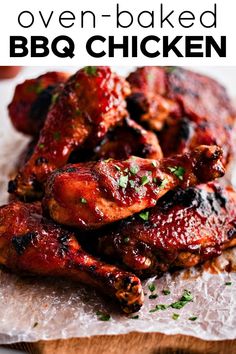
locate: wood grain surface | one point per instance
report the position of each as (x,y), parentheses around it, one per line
(133,343)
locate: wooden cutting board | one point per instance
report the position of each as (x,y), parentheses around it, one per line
(133,343)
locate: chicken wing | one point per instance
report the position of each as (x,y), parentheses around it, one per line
(31,102)
(31,244)
(192,108)
(128,139)
(186,227)
(90,195)
(91,101)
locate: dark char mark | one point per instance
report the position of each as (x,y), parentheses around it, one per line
(21,242)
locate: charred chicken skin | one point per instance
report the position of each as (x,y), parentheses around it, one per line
(31,244)
(31,102)
(90,195)
(193,109)
(185,228)
(90,102)
(129,139)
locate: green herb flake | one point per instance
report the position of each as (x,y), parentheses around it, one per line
(193,318)
(170,69)
(160,307)
(78,112)
(175,316)
(144,180)
(117,167)
(36,88)
(41,146)
(186,297)
(144,215)
(91,70)
(102,316)
(166,292)
(57,136)
(154,163)
(126,240)
(134,169)
(54,98)
(136,317)
(164,182)
(152,287)
(132,183)
(228,283)
(83,200)
(178,171)
(123,181)
(153,296)
(137,190)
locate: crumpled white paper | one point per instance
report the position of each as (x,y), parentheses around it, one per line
(33,309)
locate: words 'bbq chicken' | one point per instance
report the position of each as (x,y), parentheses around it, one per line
(186,227)
(90,195)
(31,244)
(91,101)
(31,102)
(190,109)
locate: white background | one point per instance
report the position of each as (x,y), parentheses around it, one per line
(10,9)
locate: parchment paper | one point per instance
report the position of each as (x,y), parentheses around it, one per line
(32,309)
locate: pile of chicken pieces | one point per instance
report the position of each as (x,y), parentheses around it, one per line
(119,182)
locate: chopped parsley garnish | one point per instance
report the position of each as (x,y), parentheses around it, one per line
(78,111)
(144,215)
(137,190)
(54,97)
(170,69)
(185,298)
(152,287)
(178,171)
(83,200)
(135,317)
(132,183)
(160,307)
(193,318)
(134,169)
(102,316)
(144,180)
(123,181)
(126,240)
(163,183)
(153,296)
(41,146)
(90,70)
(57,136)
(228,283)
(175,316)
(36,88)
(154,163)
(117,167)
(166,292)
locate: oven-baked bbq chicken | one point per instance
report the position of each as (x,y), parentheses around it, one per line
(190,109)
(31,102)
(91,195)
(185,228)
(32,244)
(90,102)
